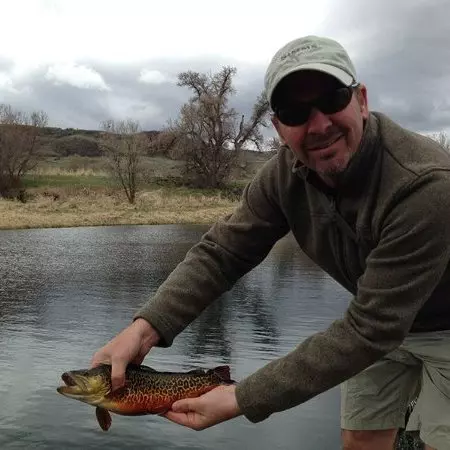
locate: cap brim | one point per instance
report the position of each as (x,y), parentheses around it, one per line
(335,72)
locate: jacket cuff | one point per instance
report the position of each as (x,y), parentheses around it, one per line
(246,402)
(157,321)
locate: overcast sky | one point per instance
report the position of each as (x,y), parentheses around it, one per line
(85,61)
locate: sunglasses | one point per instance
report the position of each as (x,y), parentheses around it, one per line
(330,103)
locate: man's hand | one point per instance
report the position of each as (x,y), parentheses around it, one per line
(202,412)
(130,346)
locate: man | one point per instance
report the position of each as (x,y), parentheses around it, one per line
(369,202)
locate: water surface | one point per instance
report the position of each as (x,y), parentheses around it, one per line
(66,292)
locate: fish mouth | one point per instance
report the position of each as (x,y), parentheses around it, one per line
(74,385)
(68,378)
(82,386)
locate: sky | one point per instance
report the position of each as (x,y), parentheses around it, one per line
(85,61)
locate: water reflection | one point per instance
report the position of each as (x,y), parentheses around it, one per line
(260,312)
(65,292)
(210,335)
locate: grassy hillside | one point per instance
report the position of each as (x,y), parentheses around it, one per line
(78,150)
(71,186)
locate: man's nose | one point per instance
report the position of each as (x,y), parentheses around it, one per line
(318,122)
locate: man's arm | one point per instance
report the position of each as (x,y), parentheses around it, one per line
(402,271)
(232,247)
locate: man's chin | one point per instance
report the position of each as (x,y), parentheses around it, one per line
(332,172)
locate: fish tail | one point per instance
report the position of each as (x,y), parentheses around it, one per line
(223,372)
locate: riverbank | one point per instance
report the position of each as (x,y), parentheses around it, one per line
(75,206)
(77,191)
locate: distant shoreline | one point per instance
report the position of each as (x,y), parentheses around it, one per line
(76,191)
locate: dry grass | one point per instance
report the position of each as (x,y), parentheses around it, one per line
(97,166)
(77,171)
(72,206)
(77,191)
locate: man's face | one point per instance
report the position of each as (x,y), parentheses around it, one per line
(325,142)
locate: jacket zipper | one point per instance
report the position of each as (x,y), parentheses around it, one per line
(339,233)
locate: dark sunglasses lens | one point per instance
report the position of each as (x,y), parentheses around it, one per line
(293,116)
(336,101)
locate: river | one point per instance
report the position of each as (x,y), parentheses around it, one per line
(65,292)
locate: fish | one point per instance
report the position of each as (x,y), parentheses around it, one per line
(146,390)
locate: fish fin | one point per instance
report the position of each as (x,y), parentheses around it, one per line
(103,418)
(161,411)
(146,368)
(196,371)
(223,372)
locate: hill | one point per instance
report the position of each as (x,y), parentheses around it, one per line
(56,142)
(75,150)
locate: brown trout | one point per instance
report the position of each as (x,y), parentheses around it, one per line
(146,391)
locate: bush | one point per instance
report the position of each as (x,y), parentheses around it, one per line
(76,145)
(11,187)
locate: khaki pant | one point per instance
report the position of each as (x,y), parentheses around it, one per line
(378,397)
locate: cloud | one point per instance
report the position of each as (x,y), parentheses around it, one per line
(152,77)
(76,75)
(71,104)
(401,52)
(81,78)
(132,31)
(6,82)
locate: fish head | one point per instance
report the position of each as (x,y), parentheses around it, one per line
(87,385)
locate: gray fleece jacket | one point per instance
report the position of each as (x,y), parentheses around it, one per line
(383,234)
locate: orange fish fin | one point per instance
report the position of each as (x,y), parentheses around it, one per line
(103,418)
(223,372)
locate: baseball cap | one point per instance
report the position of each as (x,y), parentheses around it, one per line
(309,53)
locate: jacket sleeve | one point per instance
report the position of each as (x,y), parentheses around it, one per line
(232,247)
(402,271)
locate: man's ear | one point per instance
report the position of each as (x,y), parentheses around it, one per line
(277,126)
(361,94)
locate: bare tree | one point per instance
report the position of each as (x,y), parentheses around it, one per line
(274,144)
(125,145)
(208,134)
(442,139)
(165,143)
(19,132)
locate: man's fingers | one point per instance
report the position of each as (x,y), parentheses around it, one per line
(96,361)
(179,418)
(118,367)
(189,419)
(186,405)
(138,360)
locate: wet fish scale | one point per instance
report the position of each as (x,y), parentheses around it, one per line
(156,392)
